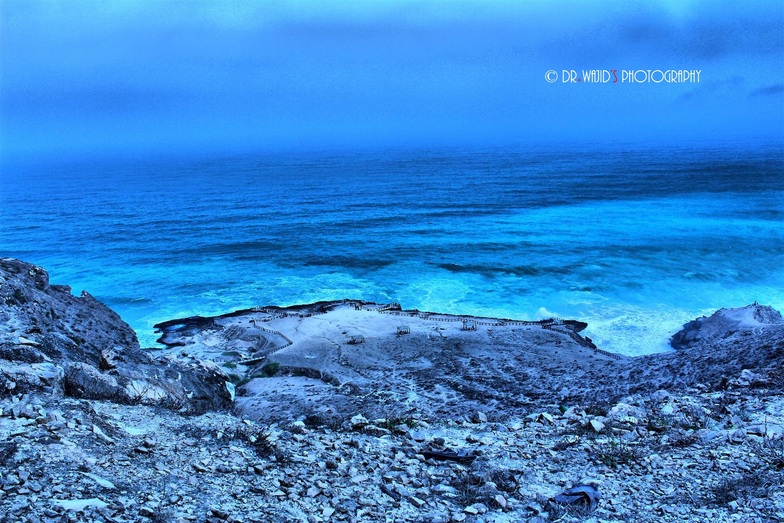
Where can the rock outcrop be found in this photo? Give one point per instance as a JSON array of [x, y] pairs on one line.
[[51, 339], [334, 359], [725, 323], [527, 420]]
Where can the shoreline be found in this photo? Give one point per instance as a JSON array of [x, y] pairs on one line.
[[628, 330], [359, 348], [270, 314], [349, 415]]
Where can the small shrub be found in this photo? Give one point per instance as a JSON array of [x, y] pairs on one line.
[[262, 442], [682, 439], [566, 442], [694, 417], [561, 512], [771, 452], [270, 369], [18, 298], [394, 416], [753, 488], [720, 407], [505, 480], [394, 422], [468, 487], [334, 423], [617, 452], [598, 409], [230, 365], [162, 513], [660, 423], [587, 430], [746, 485], [240, 382], [313, 421]]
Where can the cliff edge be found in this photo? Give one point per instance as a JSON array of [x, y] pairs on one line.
[[51, 339]]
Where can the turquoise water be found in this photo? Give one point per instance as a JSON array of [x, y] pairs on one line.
[[635, 242]]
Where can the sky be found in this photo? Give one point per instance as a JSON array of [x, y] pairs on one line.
[[135, 76]]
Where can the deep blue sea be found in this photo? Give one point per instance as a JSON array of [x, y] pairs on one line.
[[634, 241]]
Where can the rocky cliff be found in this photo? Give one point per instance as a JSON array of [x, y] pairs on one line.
[[51, 339], [92, 428]]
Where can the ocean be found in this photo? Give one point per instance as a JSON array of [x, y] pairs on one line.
[[635, 241]]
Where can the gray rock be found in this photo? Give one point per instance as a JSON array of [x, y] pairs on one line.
[[25, 377], [478, 417], [86, 381], [80, 504], [22, 353], [91, 350], [736, 436], [724, 323], [147, 512], [417, 502], [56, 319], [596, 425], [358, 422]]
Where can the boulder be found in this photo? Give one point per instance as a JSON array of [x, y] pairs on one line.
[[82, 380], [358, 422], [478, 417], [21, 353], [20, 378]]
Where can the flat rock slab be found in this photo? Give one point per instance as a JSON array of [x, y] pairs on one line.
[[354, 357]]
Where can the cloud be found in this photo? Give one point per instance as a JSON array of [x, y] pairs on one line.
[[733, 83], [707, 31], [104, 99], [387, 70], [768, 90]]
